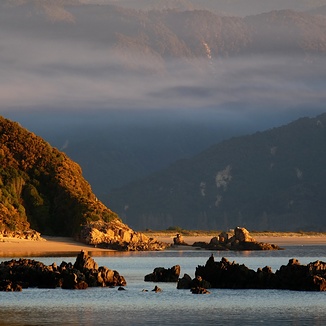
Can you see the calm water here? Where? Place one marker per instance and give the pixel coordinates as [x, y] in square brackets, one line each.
[107, 306]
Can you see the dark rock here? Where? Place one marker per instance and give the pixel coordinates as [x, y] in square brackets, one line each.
[85, 262]
[29, 272]
[199, 282]
[74, 280]
[9, 286]
[199, 290]
[157, 289]
[184, 282]
[161, 274]
[230, 275]
[23, 273]
[294, 276]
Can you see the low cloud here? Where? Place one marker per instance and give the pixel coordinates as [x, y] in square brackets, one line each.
[51, 71]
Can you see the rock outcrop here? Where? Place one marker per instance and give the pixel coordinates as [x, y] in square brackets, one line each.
[26, 235]
[161, 274]
[118, 236]
[239, 240]
[230, 275]
[23, 273]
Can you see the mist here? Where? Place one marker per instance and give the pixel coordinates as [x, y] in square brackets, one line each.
[71, 71]
[69, 66]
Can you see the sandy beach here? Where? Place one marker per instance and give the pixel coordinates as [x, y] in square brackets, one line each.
[51, 246]
[278, 240]
[56, 246]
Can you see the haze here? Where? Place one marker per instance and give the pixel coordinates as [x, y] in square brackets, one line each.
[70, 64]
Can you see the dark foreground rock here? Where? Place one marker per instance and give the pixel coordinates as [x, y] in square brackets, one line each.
[230, 275]
[23, 273]
[240, 240]
[161, 274]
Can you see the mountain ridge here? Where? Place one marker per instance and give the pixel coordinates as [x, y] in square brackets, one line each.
[269, 180]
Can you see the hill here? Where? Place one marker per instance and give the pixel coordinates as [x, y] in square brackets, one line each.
[271, 180]
[42, 185]
[41, 188]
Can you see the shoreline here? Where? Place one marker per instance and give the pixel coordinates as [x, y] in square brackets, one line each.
[62, 246]
[50, 246]
[286, 240]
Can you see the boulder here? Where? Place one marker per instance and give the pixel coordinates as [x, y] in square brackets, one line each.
[178, 240]
[184, 282]
[161, 274]
[85, 262]
[242, 235]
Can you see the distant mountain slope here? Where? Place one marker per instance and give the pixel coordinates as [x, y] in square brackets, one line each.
[272, 180]
[234, 7]
[162, 34]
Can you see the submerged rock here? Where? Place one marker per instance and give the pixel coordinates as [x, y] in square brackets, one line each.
[199, 290]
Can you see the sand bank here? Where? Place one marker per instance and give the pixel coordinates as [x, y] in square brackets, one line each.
[52, 246]
[59, 246]
[278, 240]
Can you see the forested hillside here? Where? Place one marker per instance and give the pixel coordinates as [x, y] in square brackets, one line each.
[41, 187]
[271, 180]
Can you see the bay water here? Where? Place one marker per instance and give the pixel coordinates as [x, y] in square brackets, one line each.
[108, 306]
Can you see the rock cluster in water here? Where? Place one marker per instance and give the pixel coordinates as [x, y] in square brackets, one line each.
[85, 272]
[240, 240]
[161, 274]
[231, 275]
